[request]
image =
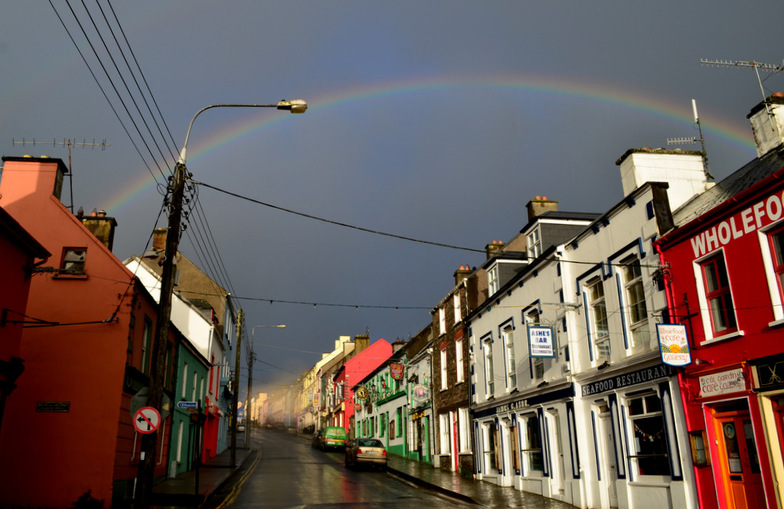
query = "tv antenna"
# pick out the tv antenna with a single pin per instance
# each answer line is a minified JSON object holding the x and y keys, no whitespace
{"x":65,"y":143}
{"x":701,"y":139}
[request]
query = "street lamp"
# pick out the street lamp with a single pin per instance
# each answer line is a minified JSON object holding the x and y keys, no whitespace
{"x":251,"y":358}
{"x":157,"y":378}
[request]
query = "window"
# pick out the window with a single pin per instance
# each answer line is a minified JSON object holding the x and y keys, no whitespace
{"x":73,"y":260}
{"x":146,"y":345}
{"x":718,"y":295}
{"x":532,"y":318}
{"x":598,"y":311}
{"x":444,"y":385}
{"x":464,"y":427}
{"x":184,"y":377}
{"x":443,"y":422}
{"x":650,"y":440}
{"x":487,"y":346}
{"x":456,"y":306}
{"x":492,"y":280}
{"x":459,"y":365}
{"x":534,"y":242}
{"x":441,"y":321}
{"x":511,"y":373}
{"x":777,"y":250}
{"x":635,"y":301}
{"x":533,"y":445}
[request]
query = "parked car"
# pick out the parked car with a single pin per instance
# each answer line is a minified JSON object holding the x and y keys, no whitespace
{"x":366,"y":451}
{"x":315,"y":442}
{"x":333,"y":437}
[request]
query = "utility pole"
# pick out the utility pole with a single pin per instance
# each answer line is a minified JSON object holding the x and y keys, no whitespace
{"x":158,"y":374}
{"x":235,"y":389}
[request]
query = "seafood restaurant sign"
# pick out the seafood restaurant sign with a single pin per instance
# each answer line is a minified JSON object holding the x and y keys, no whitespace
{"x":627,"y":379}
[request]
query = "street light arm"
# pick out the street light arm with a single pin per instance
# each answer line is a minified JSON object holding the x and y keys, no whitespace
{"x":294,"y":106}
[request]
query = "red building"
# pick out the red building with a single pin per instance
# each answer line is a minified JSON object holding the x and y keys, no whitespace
{"x":21,"y":252}
{"x":86,"y":345}
{"x":724,"y":276}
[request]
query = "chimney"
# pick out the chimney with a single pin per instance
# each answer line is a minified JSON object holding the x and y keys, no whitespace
{"x":683,"y":170}
{"x":767,"y":123}
{"x":159,"y":239}
{"x":361,"y":341}
{"x":540,"y":205}
{"x":101,"y":226}
{"x":398,"y":344}
{"x":462,"y":274}
{"x":494,"y":248}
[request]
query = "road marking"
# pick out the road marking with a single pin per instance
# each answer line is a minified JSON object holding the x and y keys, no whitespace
{"x":235,"y":491}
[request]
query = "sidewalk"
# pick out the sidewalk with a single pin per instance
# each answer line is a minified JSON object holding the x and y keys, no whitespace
{"x":181,"y":491}
{"x":466,"y":489}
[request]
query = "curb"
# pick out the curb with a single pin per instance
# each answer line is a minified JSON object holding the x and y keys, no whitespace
{"x":433,"y":487}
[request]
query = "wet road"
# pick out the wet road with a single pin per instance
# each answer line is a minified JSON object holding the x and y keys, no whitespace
{"x":289,"y":473}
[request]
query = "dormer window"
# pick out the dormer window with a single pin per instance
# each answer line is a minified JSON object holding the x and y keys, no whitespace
{"x":534,"y":243}
{"x":492,"y":279}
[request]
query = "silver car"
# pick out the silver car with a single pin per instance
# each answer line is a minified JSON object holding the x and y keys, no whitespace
{"x":366,"y":451}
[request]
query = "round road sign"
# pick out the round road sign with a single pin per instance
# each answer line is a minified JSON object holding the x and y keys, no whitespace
{"x":146,"y":420}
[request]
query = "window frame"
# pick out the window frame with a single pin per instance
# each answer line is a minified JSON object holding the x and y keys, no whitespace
{"x":459,"y":361}
{"x":721,"y":293}
{"x":487,"y":351}
{"x":633,"y":282}
{"x":595,"y":303}
{"x":533,"y":317}
{"x":73,"y":268}
{"x":444,"y":371}
{"x":510,"y":373}
{"x":493,"y":282}
{"x":533,"y":242}
{"x":638,"y":436}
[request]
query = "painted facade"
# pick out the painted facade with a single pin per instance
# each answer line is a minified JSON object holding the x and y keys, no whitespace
{"x":724,"y":283}
{"x":87,"y":357}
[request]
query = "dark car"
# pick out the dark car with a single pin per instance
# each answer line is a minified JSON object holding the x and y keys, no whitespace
{"x":366,"y":451}
{"x":333,"y":437}
{"x":315,"y":442}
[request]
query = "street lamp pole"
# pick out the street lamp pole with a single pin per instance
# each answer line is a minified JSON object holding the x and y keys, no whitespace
{"x":157,"y":378}
{"x":251,"y":359}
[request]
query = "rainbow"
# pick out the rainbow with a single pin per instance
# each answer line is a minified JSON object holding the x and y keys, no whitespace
{"x":645,"y":104}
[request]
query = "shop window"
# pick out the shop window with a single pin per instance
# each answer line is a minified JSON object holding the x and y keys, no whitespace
{"x":533,"y":445}
{"x":599,"y":324}
{"x":635,"y":303}
{"x":699,"y":451}
{"x":650,"y":440}
{"x":718,"y":296}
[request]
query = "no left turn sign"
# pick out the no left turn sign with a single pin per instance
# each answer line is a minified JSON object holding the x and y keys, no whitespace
{"x":146,"y":420}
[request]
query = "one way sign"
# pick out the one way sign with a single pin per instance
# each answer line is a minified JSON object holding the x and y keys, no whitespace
{"x":146,"y":420}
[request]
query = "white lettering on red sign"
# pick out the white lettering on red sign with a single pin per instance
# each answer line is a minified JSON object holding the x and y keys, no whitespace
{"x":749,"y":220}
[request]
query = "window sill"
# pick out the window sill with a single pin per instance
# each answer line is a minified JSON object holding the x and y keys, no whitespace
{"x":70,"y":277}
{"x":725,"y":337}
{"x":776,"y":323}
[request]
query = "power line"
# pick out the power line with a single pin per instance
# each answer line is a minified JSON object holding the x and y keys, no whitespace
{"x":336,"y":223}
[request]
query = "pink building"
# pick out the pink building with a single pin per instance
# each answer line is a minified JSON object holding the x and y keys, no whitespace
{"x":86,"y":345}
{"x":356,"y":368}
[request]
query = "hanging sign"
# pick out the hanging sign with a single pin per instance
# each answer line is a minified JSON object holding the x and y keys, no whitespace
{"x":397,"y":370}
{"x":421,"y":393}
{"x":541,"y":341}
{"x":361,"y":394}
{"x":673,"y":344}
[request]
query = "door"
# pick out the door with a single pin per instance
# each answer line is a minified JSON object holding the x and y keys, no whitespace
{"x":739,"y":462}
{"x":609,"y":467}
{"x":556,"y":452}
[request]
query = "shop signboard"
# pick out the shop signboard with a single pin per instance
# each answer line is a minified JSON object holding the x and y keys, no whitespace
{"x":541,"y":342}
{"x":673,"y":344}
